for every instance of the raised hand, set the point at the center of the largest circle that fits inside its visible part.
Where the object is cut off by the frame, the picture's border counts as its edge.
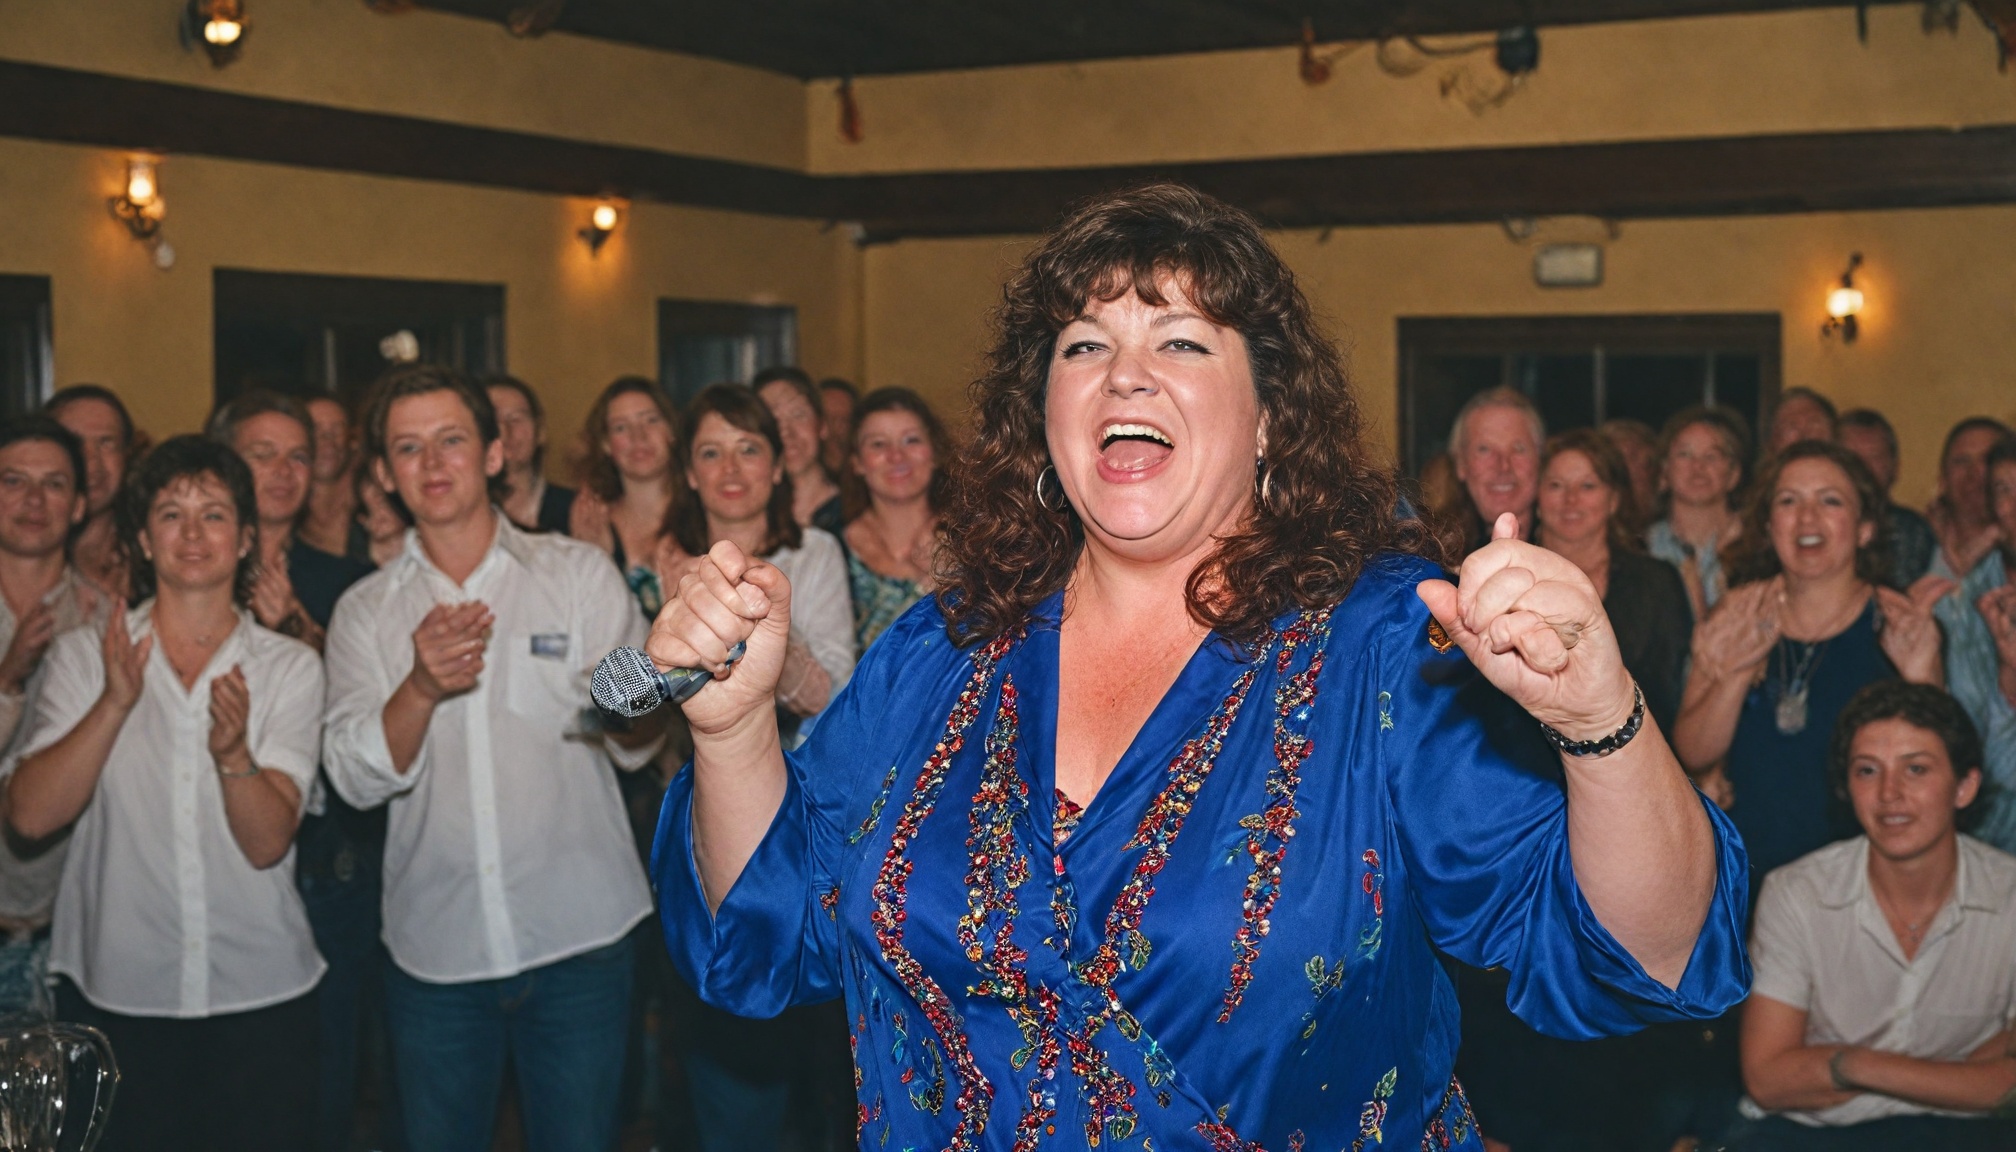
(1910, 636)
(273, 596)
(1998, 607)
(1533, 624)
(230, 712)
(448, 649)
(1737, 637)
(125, 663)
(724, 599)
(32, 634)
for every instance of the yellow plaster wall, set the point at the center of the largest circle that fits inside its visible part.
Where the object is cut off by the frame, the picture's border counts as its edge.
(436, 66)
(572, 322)
(1938, 336)
(1798, 71)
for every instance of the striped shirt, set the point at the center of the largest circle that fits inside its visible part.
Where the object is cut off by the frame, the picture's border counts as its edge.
(1971, 671)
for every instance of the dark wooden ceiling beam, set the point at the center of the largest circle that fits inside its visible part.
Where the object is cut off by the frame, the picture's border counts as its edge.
(1906, 168)
(830, 38)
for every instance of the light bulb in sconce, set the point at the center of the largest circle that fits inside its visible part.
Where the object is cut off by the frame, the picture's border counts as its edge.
(601, 224)
(140, 206)
(218, 27)
(140, 181)
(1844, 305)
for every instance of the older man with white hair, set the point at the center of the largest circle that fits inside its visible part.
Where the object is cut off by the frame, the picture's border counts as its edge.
(1495, 444)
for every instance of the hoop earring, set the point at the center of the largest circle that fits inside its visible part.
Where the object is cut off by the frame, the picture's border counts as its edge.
(1064, 504)
(1266, 484)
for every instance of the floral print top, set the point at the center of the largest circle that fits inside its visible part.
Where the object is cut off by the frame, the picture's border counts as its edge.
(1231, 948)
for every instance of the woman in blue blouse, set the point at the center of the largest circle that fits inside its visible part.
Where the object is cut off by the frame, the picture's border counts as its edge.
(1144, 831)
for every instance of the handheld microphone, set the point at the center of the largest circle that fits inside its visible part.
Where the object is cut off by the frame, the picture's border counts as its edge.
(627, 682)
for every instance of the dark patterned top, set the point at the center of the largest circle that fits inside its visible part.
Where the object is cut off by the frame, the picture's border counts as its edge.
(1234, 948)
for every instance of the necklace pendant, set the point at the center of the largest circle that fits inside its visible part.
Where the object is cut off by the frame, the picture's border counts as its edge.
(1792, 711)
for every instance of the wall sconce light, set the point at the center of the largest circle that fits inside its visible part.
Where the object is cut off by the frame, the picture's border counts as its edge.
(1844, 304)
(140, 206)
(601, 222)
(216, 26)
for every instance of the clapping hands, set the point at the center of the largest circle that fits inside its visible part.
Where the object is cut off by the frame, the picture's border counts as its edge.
(1910, 635)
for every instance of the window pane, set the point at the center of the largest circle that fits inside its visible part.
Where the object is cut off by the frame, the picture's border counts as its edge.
(1652, 387)
(1739, 385)
(1442, 384)
(1564, 387)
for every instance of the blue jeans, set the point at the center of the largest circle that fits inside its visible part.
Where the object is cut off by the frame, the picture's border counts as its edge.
(562, 1025)
(338, 875)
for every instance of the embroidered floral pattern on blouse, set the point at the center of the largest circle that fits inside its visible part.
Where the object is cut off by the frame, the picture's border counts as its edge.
(1269, 831)
(1372, 1117)
(887, 914)
(1223, 1139)
(1065, 821)
(1374, 884)
(1324, 979)
(875, 809)
(1447, 1130)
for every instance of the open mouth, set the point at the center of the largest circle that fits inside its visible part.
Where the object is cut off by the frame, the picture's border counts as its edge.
(1133, 447)
(1810, 540)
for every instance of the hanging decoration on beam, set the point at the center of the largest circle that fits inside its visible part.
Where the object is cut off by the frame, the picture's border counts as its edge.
(1315, 67)
(1515, 55)
(850, 111)
(1944, 16)
(532, 20)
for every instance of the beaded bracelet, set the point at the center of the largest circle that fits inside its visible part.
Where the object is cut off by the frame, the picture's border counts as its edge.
(1608, 744)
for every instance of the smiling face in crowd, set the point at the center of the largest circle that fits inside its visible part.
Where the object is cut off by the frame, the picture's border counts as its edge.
(1575, 504)
(193, 536)
(517, 429)
(439, 464)
(281, 457)
(1799, 419)
(1904, 788)
(893, 454)
(1816, 519)
(1153, 424)
(733, 470)
(1700, 470)
(96, 423)
(798, 425)
(332, 439)
(39, 497)
(637, 438)
(1963, 473)
(1499, 461)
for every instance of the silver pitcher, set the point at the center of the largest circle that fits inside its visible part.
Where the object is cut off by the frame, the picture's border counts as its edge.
(44, 1066)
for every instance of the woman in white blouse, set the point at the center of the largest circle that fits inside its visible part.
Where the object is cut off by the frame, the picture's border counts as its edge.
(733, 456)
(180, 746)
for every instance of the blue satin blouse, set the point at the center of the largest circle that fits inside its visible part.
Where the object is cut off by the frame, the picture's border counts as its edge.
(1232, 948)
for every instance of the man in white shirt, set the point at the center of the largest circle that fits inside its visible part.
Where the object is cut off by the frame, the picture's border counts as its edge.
(41, 500)
(1884, 996)
(458, 694)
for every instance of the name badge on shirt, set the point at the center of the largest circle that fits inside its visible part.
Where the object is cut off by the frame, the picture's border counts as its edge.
(550, 645)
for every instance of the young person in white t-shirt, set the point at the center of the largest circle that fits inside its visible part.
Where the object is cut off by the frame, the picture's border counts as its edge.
(458, 681)
(1884, 998)
(179, 748)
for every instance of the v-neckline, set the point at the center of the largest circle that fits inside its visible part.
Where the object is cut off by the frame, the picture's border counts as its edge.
(1190, 699)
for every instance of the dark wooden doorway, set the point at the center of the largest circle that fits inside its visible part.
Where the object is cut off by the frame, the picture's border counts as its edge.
(702, 342)
(27, 369)
(313, 335)
(1582, 370)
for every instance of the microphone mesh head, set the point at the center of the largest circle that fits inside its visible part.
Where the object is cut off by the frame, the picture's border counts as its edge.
(626, 683)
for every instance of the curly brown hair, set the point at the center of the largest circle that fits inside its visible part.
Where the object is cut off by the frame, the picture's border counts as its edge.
(1331, 506)
(1753, 557)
